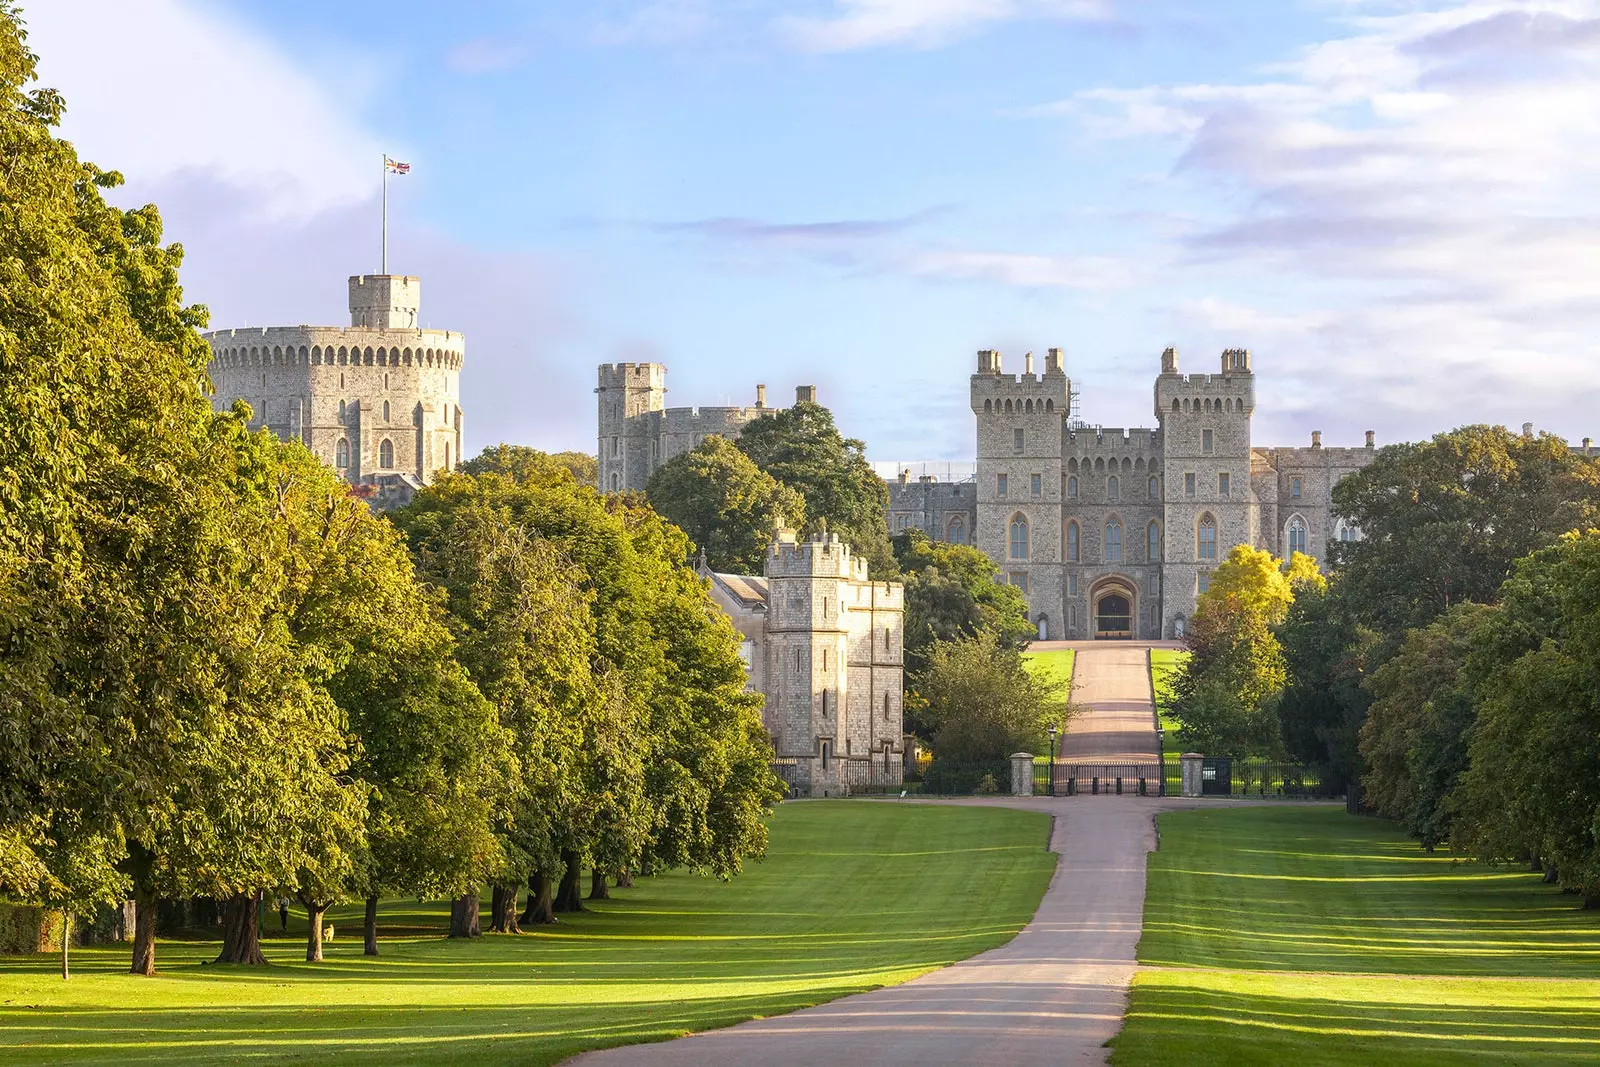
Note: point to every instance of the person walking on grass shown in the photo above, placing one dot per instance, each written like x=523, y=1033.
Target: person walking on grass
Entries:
x=283, y=913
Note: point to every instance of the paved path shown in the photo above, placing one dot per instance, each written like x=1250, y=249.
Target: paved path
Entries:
x=1054, y=995
x=1111, y=682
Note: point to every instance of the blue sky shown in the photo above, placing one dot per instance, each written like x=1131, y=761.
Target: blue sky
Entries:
x=1389, y=202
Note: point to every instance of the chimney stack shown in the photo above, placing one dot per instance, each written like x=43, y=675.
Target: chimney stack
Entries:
x=805, y=394
x=1027, y=363
x=1316, y=438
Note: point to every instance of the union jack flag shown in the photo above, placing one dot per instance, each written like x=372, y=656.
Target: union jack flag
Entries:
x=396, y=166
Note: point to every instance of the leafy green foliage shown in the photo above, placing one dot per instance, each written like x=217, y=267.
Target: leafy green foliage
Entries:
x=801, y=447
x=951, y=593
x=727, y=505
x=1323, y=704
x=979, y=703
x=1443, y=521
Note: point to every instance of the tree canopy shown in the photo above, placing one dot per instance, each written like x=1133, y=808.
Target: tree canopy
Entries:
x=951, y=593
x=727, y=505
x=801, y=447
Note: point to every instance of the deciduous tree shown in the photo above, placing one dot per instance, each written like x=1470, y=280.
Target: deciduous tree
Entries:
x=725, y=503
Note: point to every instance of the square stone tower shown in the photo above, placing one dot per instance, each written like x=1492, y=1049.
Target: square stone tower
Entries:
x=1208, y=502
x=627, y=394
x=1019, y=481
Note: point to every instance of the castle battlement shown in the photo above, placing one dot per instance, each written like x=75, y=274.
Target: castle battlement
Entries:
x=820, y=556
x=1141, y=438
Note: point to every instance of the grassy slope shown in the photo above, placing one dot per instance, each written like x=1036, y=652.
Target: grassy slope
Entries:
x=1054, y=665
x=1164, y=662
x=853, y=895
x=1310, y=937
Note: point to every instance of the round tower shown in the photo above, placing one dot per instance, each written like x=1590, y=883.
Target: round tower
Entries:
x=379, y=400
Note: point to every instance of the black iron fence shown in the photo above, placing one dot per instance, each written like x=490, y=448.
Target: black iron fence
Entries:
x=1221, y=776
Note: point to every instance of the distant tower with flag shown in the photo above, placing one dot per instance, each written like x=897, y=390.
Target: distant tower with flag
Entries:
x=378, y=400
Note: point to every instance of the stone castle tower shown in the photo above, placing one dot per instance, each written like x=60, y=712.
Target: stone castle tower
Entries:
x=825, y=647
x=379, y=400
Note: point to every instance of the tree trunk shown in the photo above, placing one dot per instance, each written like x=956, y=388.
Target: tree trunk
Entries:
x=66, y=941
x=504, y=911
x=314, y=913
x=624, y=879
x=371, y=928
x=540, y=910
x=597, y=885
x=145, y=904
x=569, y=897
x=241, y=930
x=464, y=916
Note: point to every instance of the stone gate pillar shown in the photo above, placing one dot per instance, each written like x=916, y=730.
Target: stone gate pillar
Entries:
x=1192, y=762
x=1022, y=774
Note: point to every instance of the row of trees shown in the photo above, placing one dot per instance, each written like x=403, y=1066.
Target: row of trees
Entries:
x=221, y=675
x=1448, y=667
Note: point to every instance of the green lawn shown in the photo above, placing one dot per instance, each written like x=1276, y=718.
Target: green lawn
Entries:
x=1054, y=665
x=853, y=895
x=1164, y=663
x=1306, y=936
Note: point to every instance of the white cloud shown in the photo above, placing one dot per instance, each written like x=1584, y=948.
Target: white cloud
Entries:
x=159, y=88
x=1025, y=271
x=1416, y=195
x=924, y=23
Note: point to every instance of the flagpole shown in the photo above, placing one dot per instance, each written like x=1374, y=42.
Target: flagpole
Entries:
x=384, y=268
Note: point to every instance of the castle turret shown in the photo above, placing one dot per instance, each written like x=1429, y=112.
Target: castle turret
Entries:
x=626, y=395
x=1208, y=501
x=378, y=400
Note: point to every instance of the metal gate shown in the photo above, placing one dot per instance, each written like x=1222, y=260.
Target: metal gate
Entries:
x=1108, y=779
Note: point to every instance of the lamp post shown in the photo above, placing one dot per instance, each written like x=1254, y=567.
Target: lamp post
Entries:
x=1052, y=759
x=1161, y=749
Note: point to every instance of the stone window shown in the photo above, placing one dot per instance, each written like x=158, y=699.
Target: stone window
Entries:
x=616, y=481
x=386, y=455
x=1113, y=488
x=1153, y=543
x=957, y=532
x=1204, y=582
x=1206, y=539
x=1035, y=485
x=1297, y=536
x=1155, y=487
x=341, y=454
x=1001, y=484
x=886, y=641
x=1223, y=485
x=799, y=666
x=1188, y=486
x=1072, y=585
x=1072, y=542
x=1017, y=437
x=1113, y=541
x=1207, y=441
x=1072, y=488
x=341, y=411
x=886, y=706
x=1294, y=488
x=824, y=660
x=385, y=411
x=1019, y=537
x=1020, y=581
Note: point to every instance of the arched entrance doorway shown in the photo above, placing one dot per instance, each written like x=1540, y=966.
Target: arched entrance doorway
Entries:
x=1114, y=604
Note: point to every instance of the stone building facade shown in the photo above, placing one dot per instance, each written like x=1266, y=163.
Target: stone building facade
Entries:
x=824, y=644
x=1114, y=532
x=638, y=432
x=378, y=400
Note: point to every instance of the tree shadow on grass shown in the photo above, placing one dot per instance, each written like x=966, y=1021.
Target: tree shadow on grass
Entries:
x=1208, y=1026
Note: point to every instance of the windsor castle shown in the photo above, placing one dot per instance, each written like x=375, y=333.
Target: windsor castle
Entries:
x=1109, y=533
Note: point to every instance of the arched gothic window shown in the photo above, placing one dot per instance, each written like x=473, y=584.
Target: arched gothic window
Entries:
x=956, y=533
x=385, y=411
x=341, y=454
x=616, y=484
x=1019, y=537
x=1113, y=488
x=1113, y=541
x=1206, y=539
x=1155, y=487
x=341, y=411
x=1072, y=542
x=1153, y=543
x=1072, y=487
x=386, y=455
x=1297, y=536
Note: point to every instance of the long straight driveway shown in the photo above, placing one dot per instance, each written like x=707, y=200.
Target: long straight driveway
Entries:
x=1111, y=684
x=1054, y=995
